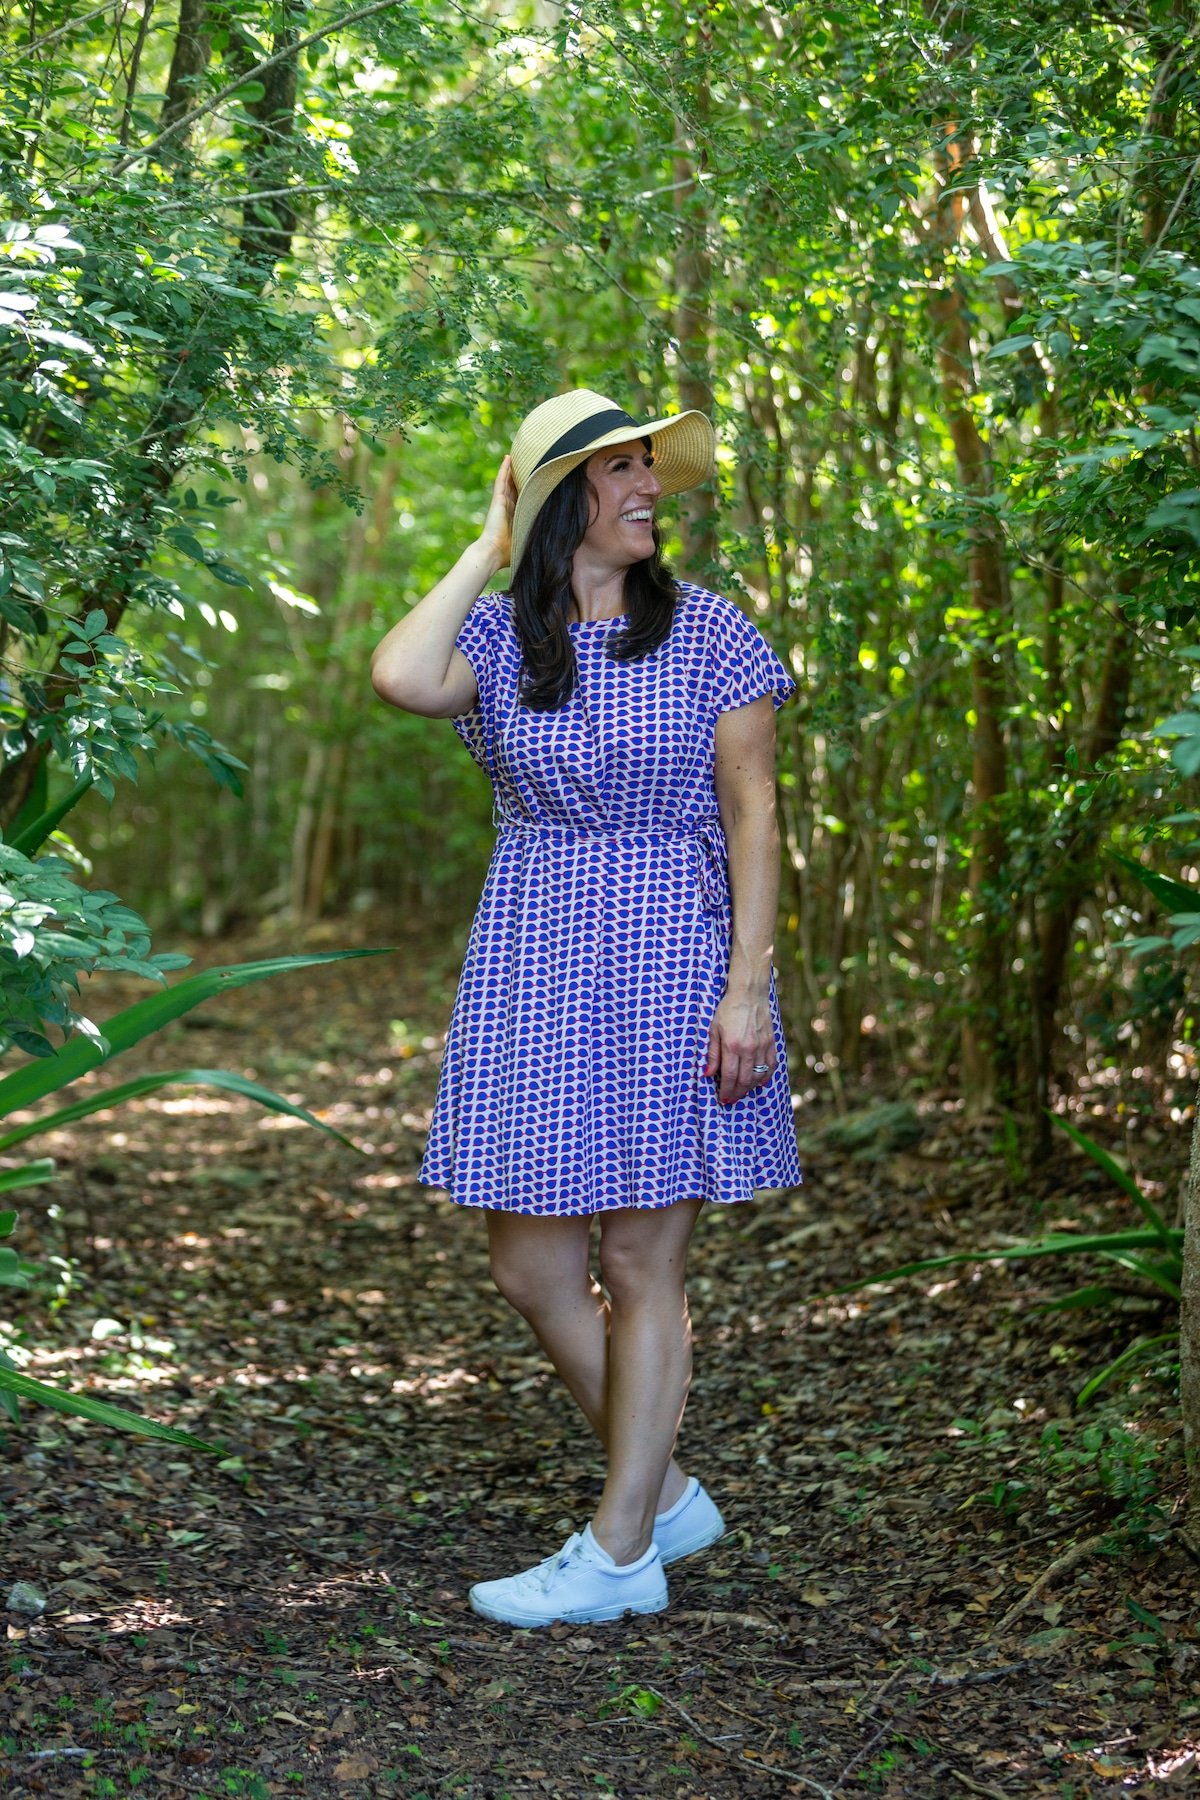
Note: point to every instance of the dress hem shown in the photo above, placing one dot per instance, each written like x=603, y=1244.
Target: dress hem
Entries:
x=590, y=1212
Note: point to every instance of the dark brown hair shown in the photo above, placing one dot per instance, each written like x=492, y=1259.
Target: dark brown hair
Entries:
x=541, y=591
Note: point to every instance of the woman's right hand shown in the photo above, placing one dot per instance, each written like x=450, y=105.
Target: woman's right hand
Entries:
x=497, y=527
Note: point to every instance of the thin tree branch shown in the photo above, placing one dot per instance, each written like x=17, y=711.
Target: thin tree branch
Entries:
x=260, y=68
x=1180, y=197
x=52, y=37
x=1155, y=93
x=131, y=75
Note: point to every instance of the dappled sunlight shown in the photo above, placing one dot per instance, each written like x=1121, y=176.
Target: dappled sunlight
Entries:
x=436, y=1389
x=1167, y=1763
x=143, y=1613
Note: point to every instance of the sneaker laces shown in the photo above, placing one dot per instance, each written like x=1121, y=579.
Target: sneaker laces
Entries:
x=540, y=1578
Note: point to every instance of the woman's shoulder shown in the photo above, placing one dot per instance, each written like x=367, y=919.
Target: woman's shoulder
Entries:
x=493, y=611
x=706, y=608
x=497, y=602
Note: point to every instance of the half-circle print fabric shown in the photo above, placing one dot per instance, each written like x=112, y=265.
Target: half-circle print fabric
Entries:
x=572, y=1080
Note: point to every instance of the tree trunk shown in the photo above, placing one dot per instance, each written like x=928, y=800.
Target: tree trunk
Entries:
x=1062, y=909
x=988, y=1072
x=319, y=820
x=1189, y=1339
x=693, y=317
x=189, y=60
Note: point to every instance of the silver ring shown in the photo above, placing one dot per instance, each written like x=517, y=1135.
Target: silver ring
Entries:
x=762, y=1069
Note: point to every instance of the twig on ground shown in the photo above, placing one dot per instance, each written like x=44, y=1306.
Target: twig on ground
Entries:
x=935, y=1683
x=864, y=1751
x=747, y=1621
x=742, y=1762
x=1068, y=1560
x=889, y=1681
x=978, y=1787
x=975, y=1677
x=688, y=1719
x=882, y=1730
x=65, y=1750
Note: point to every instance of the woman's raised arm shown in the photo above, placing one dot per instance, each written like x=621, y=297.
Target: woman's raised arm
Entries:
x=417, y=666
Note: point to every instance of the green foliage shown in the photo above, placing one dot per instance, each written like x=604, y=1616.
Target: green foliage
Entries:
x=740, y=209
x=269, y=318
x=1126, y=346
x=1153, y=1256
x=52, y=1072
x=1102, y=1457
x=24, y=1086
x=51, y=932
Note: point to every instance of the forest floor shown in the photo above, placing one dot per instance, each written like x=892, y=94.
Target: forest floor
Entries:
x=290, y=1616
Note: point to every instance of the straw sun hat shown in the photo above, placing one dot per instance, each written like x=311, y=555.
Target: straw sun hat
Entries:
x=563, y=432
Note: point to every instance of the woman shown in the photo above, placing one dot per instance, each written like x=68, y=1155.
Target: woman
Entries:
x=615, y=1046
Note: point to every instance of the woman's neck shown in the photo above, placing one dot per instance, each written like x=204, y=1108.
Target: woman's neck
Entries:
x=597, y=589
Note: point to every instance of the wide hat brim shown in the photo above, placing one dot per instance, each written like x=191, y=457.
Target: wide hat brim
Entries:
x=684, y=447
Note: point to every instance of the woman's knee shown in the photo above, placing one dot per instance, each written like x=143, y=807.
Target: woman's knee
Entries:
x=535, y=1272
x=517, y=1282
x=633, y=1271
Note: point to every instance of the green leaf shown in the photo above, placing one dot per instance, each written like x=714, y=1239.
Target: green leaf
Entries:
x=1079, y=1298
x=1064, y=1244
x=82, y=1406
x=1122, y=1177
x=1178, y=895
x=46, y=1076
x=150, y=1084
x=223, y=572
x=1182, y=724
x=1140, y=1351
x=188, y=542
x=28, y=1175
x=1180, y=509
x=1185, y=754
x=33, y=835
x=1163, y=1275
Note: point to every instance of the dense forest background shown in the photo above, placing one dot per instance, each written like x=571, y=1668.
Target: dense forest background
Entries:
x=929, y=267
x=278, y=281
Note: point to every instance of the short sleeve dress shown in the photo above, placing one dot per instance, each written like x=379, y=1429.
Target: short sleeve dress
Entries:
x=573, y=1075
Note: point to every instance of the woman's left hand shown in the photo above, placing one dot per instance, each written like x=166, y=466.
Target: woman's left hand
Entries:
x=741, y=1035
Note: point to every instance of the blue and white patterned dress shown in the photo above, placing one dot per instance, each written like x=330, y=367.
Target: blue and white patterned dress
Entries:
x=572, y=1080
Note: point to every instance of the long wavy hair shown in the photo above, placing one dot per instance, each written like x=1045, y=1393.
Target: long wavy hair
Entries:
x=541, y=591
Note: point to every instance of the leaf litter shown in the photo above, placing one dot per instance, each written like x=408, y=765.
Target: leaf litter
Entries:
x=290, y=1616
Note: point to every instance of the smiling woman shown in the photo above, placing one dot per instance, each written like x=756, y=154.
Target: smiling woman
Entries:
x=620, y=530
x=615, y=1047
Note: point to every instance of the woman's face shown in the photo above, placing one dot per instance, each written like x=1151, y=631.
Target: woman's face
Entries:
x=621, y=523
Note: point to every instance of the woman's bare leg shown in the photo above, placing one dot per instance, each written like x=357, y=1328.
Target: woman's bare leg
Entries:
x=541, y=1266
x=643, y=1262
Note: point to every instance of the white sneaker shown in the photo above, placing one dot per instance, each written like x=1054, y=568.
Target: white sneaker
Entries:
x=689, y=1525
x=580, y=1583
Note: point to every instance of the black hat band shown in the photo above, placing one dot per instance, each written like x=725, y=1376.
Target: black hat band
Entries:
x=587, y=430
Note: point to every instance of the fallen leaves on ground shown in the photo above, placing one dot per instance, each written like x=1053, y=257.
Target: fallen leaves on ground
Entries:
x=290, y=1617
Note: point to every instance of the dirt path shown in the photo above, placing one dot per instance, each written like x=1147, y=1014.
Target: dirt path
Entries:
x=292, y=1619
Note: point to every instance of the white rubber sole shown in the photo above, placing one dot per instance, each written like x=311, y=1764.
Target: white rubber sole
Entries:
x=583, y=1615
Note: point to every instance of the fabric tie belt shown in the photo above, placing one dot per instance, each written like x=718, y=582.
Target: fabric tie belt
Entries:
x=705, y=835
